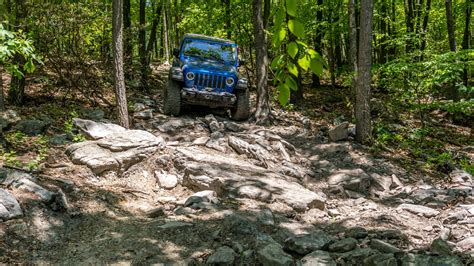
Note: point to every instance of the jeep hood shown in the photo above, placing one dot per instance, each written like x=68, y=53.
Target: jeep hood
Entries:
x=209, y=66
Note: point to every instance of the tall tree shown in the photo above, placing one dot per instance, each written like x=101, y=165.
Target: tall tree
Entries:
x=166, y=30
x=142, y=44
x=262, y=113
x=467, y=36
x=152, y=39
x=353, y=41
x=127, y=23
x=450, y=23
x=117, y=33
x=425, y=27
x=362, y=104
x=16, y=92
x=227, y=18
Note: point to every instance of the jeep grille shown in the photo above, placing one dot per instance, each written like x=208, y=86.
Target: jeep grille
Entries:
x=210, y=81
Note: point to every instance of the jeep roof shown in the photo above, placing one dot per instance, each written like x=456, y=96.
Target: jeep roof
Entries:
x=207, y=38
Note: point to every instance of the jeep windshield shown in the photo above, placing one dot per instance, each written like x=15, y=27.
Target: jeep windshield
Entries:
x=208, y=50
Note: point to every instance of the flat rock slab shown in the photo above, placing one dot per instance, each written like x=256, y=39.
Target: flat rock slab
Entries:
x=96, y=130
x=419, y=209
x=241, y=179
x=115, y=151
x=9, y=207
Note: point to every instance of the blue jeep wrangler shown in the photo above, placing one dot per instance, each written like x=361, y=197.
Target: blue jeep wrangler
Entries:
x=204, y=72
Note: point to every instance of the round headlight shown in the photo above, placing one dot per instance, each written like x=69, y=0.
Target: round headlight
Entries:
x=229, y=81
x=190, y=75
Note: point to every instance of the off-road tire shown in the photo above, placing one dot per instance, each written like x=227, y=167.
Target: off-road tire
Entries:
x=172, y=98
x=242, y=109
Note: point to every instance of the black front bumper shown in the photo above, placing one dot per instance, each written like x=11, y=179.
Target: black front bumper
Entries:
x=212, y=99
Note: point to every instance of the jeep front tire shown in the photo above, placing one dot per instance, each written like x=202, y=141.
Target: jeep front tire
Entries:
x=242, y=109
x=172, y=98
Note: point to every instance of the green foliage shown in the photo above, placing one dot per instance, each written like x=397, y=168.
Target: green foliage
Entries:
x=297, y=56
x=12, y=45
x=69, y=128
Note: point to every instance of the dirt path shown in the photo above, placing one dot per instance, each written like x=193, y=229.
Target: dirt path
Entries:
x=275, y=195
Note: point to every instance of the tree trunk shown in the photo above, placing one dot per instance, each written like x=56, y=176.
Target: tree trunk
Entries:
x=425, y=27
x=383, y=28
x=120, y=96
x=2, y=97
x=266, y=12
x=318, y=41
x=467, y=37
x=152, y=40
x=165, y=31
x=353, y=43
x=409, y=18
x=362, y=104
x=263, y=98
x=450, y=21
x=227, y=18
x=142, y=45
x=16, y=92
x=127, y=23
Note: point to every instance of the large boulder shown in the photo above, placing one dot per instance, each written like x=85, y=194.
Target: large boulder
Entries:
x=241, y=179
x=9, y=207
x=96, y=130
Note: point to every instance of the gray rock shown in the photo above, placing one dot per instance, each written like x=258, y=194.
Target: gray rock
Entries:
x=273, y=255
x=155, y=212
x=202, y=196
x=239, y=225
x=201, y=141
x=418, y=209
x=343, y=245
x=356, y=232
x=353, y=179
x=96, y=158
x=440, y=247
x=357, y=254
x=145, y=114
x=9, y=206
x=174, y=124
x=94, y=114
x=383, y=181
x=27, y=184
x=97, y=130
x=265, y=216
x=461, y=177
x=304, y=244
x=232, y=126
x=175, y=225
x=32, y=127
x=137, y=107
x=381, y=260
x=339, y=132
x=318, y=258
x=223, y=256
x=121, y=141
x=58, y=140
x=446, y=260
x=203, y=182
x=383, y=247
x=8, y=118
x=466, y=244
x=416, y=260
x=166, y=181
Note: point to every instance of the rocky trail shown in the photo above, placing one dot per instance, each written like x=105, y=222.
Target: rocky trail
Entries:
x=202, y=189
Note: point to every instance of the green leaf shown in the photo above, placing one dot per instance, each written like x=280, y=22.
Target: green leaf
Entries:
x=291, y=83
x=278, y=36
x=29, y=67
x=279, y=17
x=292, y=49
x=277, y=61
x=296, y=28
x=293, y=69
x=304, y=62
x=291, y=7
x=316, y=66
x=284, y=94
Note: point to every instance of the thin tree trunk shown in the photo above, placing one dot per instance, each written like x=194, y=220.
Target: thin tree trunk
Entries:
x=467, y=37
x=152, y=39
x=263, y=98
x=142, y=44
x=409, y=18
x=127, y=22
x=362, y=104
x=16, y=92
x=450, y=22
x=425, y=27
x=166, y=32
x=353, y=42
x=383, y=28
x=120, y=96
x=2, y=96
x=266, y=12
x=318, y=41
x=227, y=18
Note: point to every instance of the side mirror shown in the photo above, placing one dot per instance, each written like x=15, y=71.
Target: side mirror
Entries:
x=176, y=52
x=241, y=62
